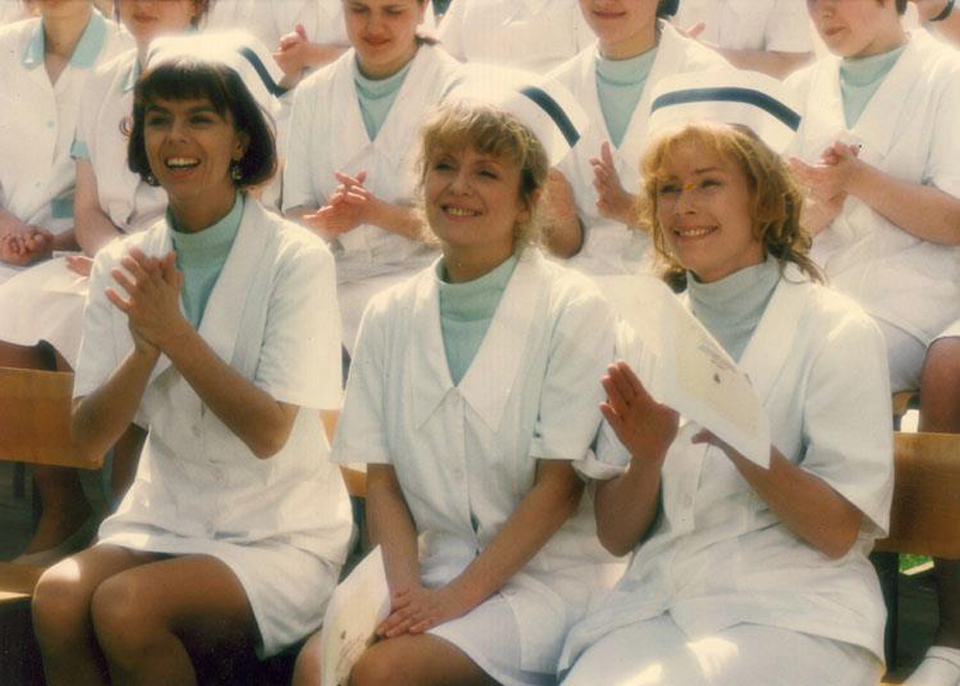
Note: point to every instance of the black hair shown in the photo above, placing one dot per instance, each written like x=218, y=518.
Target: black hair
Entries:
x=189, y=79
x=667, y=8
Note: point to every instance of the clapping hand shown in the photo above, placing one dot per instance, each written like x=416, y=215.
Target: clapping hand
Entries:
x=645, y=427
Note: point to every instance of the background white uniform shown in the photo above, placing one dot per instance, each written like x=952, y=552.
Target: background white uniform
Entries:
x=610, y=247
x=908, y=130
x=775, y=25
x=327, y=134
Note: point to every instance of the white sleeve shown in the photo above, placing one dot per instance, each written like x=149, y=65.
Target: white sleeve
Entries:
x=943, y=156
x=99, y=356
x=450, y=33
x=847, y=424
x=581, y=348
x=298, y=185
x=361, y=433
x=788, y=28
x=300, y=360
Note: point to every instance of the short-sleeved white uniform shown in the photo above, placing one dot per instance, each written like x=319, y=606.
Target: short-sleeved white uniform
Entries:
x=281, y=524
x=466, y=455
x=908, y=130
x=327, y=134
x=537, y=35
x=776, y=25
x=610, y=247
x=102, y=135
x=718, y=557
x=322, y=20
x=39, y=120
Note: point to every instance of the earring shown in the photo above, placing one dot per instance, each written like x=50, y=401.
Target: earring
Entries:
x=151, y=179
x=235, y=172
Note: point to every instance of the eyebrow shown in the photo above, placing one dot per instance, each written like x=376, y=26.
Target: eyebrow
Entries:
x=705, y=170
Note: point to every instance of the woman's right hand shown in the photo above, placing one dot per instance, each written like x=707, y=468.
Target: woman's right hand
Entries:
x=645, y=427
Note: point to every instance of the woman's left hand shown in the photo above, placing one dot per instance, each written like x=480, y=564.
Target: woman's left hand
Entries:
x=613, y=201
x=417, y=609
x=152, y=286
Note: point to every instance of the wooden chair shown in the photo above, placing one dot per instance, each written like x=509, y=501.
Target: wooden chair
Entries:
x=925, y=514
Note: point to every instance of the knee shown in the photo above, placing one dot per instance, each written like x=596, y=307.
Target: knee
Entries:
x=123, y=626
x=377, y=667
x=61, y=605
x=940, y=387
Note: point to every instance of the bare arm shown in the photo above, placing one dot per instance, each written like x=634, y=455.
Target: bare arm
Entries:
x=626, y=506
x=804, y=502
x=391, y=526
x=772, y=62
x=93, y=227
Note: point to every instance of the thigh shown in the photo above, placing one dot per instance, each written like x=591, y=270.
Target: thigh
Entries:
x=905, y=355
x=196, y=597
x=650, y=652
x=749, y=653
x=421, y=660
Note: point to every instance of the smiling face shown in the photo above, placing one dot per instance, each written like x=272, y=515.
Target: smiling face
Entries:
x=190, y=147
x=383, y=32
x=857, y=28
x=703, y=210
x=147, y=19
x=625, y=28
x=473, y=203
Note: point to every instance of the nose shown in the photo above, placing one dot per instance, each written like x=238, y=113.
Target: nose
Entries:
x=460, y=183
x=687, y=199
x=178, y=128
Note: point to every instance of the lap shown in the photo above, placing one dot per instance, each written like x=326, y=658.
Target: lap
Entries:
x=657, y=652
x=417, y=659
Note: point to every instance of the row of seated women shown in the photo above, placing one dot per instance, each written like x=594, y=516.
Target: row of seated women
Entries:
x=880, y=186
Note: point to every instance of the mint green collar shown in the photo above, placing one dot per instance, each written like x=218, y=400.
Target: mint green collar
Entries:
x=374, y=89
x=202, y=247
x=84, y=54
x=628, y=72
x=864, y=71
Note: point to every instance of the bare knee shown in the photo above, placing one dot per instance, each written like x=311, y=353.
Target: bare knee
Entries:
x=124, y=627
x=61, y=606
x=380, y=667
x=940, y=387
x=308, y=668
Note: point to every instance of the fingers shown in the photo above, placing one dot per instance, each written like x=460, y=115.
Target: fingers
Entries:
x=606, y=155
x=349, y=180
x=79, y=264
x=117, y=299
x=300, y=31
x=695, y=30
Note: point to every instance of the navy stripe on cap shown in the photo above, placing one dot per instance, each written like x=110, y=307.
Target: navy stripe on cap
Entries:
x=749, y=96
x=272, y=86
x=555, y=112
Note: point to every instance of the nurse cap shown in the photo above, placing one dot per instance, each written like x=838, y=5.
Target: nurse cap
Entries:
x=238, y=50
x=541, y=104
x=726, y=96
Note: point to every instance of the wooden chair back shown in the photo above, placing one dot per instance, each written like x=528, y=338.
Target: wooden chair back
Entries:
x=35, y=418
x=925, y=516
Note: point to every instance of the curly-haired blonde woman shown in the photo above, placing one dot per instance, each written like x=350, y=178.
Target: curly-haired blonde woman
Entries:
x=738, y=571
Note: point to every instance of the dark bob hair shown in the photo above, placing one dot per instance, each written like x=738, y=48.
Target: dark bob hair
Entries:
x=188, y=79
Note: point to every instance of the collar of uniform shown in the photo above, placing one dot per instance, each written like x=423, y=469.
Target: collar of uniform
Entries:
x=492, y=375
x=84, y=54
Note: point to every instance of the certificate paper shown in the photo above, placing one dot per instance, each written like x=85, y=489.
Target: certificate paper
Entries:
x=357, y=606
x=694, y=374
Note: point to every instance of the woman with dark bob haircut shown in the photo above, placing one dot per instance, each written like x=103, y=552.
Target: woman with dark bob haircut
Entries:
x=218, y=329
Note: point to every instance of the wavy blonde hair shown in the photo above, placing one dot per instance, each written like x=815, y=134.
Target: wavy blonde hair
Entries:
x=456, y=125
x=775, y=197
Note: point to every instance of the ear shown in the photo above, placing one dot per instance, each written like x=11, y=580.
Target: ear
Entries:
x=243, y=144
x=526, y=208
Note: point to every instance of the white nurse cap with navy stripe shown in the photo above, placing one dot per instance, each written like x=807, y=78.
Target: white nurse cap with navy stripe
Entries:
x=541, y=104
x=726, y=96
x=238, y=50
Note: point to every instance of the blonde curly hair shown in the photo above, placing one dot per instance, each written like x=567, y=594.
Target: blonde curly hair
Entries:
x=455, y=125
x=776, y=199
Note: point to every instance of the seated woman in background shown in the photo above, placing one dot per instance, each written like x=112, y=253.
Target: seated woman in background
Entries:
x=470, y=397
x=218, y=328
x=45, y=66
x=614, y=79
x=741, y=574
x=349, y=173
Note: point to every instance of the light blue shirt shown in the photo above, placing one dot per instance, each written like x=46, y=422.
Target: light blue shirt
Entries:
x=732, y=307
x=466, y=310
x=376, y=97
x=860, y=78
x=201, y=256
x=619, y=87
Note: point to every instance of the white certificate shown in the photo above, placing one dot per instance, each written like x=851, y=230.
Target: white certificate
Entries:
x=357, y=606
x=694, y=374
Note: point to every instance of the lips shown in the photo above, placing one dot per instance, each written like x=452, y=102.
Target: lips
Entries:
x=459, y=212
x=693, y=231
x=178, y=163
